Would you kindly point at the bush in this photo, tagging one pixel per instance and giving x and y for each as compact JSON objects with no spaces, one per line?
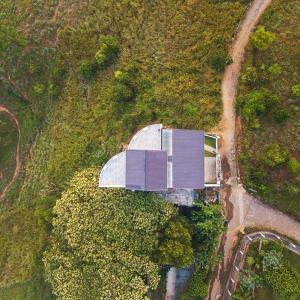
{"x":274,"y":70}
{"x":122,"y":92}
{"x":271,"y":260}
{"x":280,"y":114}
{"x":108,"y":51}
{"x":88,"y":69}
{"x":255,"y":103}
{"x":262,"y":39}
{"x":293,"y":166}
{"x":38,"y":88}
{"x":296,"y":90}
{"x":282,"y":280}
{"x":274,"y":156}
{"x":219,"y":59}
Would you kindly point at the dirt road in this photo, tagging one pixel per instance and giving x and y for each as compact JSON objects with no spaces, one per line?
{"x":242,"y":209}
{"x":17,"y":168}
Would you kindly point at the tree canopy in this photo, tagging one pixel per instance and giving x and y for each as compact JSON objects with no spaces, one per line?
{"x":262,"y":39}
{"x":103,"y":241}
{"x":175,"y":247}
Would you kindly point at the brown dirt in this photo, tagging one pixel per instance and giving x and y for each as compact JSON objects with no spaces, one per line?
{"x":17,"y":167}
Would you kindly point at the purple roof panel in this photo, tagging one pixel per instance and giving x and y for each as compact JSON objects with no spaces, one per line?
{"x":156,"y":170}
{"x":188,"y":158}
{"x":146,"y":170}
{"x":135,"y":170}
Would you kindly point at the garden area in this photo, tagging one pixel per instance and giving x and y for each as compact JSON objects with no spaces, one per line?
{"x":270,"y":272}
{"x":269,"y":106}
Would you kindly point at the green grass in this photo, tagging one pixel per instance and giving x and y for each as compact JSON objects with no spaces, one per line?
{"x":276,"y":186}
{"x":210,"y":142}
{"x":27,"y":290}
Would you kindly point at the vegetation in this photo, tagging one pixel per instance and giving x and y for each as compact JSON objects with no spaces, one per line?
{"x":82,"y":76}
{"x":175,"y":247}
{"x":207,"y":224}
{"x":269,"y":107}
{"x":103,"y":240}
{"x":271,"y":268}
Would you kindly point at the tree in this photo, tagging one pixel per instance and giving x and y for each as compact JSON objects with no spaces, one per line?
{"x":88,"y":69}
{"x":274,"y":156}
{"x":207,"y":222}
{"x":271,"y":260}
{"x":296,"y":90}
{"x":219,"y":59}
{"x":103,"y":241}
{"x":262,"y":39}
{"x":108,"y":51}
{"x":249,"y":280}
{"x":283,"y":281}
{"x":175,"y":247}
{"x":256,"y":103}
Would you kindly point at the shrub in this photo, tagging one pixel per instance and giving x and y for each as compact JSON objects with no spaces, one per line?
{"x":271,"y":260}
{"x":250,"y":76}
{"x":274,"y":156}
{"x":255,"y":103}
{"x":293,"y":165}
{"x":249,"y":280}
{"x":262,"y":39}
{"x":274,"y":70}
{"x":108,"y":51}
{"x":121,"y":76}
{"x":282,"y":280}
{"x":296,"y":90}
{"x":122,"y":92}
{"x":38,"y":88}
{"x":198,"y":287}
{"x":88,"y":69}
{"x":280,"y":114}
{"x":219,"y":59}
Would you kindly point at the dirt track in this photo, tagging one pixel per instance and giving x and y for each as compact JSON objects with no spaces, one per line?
{"x":17,"y":168}
{"x":242,"y":209}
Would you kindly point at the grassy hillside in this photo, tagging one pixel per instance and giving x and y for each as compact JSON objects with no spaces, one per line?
{"x":269,"y":106}
{"x":75,"y":112}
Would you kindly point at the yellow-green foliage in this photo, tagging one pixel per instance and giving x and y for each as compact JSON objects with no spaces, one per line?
{"x":103,"y":240}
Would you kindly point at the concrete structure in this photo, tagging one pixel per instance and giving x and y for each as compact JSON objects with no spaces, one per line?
{"x":161,"y":159}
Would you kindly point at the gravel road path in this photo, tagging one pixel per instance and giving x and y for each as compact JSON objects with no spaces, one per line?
{"x":242,"y":209}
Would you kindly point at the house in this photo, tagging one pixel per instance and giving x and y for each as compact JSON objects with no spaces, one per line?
{"x":165,"y":160}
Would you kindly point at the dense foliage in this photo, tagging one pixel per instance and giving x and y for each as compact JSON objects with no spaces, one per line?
{"x":103,"y":240}
{"x":268,"y":104}
{"x":269,"y":266}
{"x":207,"y":224}
{"x":175,"y":247}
